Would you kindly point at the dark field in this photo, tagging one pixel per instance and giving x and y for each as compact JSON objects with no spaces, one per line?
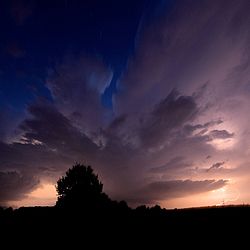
{"x":192,"y":226}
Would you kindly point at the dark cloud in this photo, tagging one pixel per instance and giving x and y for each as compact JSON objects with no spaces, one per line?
{"x":28,"y":159}
{"x":9,"y":120}
{"x":200,"y":128}
{"x":49,"y":127}
{"x":170,"y":114}
{"x":162,"y":190}
{"x":76,"y":85}
{"x":174,"y":163}
{"x":216,"y":166}
{"x":220,"y":134}
{"x":15,"y":186}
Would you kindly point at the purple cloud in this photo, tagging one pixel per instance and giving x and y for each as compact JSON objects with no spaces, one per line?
{"x":220,"y":134}
{"x":162,"y":190}
{"x":15,"y":186}
{"x":174,"y":163}
{"x":216,"y":165}
{"x":76,"y":86}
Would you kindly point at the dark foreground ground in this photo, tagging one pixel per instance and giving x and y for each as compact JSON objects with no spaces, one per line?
{"x":202,"y":227}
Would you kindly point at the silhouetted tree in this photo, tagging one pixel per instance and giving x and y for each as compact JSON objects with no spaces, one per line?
{"x":141,"y":210}
{"x":80,"y":188}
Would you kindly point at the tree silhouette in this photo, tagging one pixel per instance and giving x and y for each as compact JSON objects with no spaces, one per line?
{"x":80,"y":188}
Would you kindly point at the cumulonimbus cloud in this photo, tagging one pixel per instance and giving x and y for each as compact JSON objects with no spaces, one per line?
{"x":169,"y":108}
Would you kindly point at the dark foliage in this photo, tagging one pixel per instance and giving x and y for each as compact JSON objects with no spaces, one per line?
{"x":80,"y":188}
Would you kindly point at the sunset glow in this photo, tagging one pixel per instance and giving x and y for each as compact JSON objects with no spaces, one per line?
{"x":45,"y":195}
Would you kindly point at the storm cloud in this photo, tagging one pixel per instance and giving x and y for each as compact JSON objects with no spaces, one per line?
{"x":76,"y":85}
{"x":183,"y":187}
{"x":182,"y":97}
{"x":161,"y":190}
{"x":15,"y":186}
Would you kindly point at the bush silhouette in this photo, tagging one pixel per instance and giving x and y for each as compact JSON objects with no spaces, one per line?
{"x":80,"y":188}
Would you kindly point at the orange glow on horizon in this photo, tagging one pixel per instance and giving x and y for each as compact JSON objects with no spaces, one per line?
{"x":45,"y":195}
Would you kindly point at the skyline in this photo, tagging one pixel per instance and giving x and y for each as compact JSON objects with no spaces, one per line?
{"x":154,"y":95}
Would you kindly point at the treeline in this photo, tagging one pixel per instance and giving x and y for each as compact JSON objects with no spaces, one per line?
{"x":84,"y":214}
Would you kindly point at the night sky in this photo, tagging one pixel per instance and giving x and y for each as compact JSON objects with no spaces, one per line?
{"x":153,"y":94}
